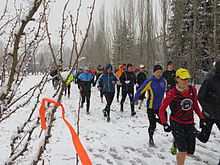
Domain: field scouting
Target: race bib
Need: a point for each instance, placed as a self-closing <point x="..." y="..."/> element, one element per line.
<point x="186" y="104"/>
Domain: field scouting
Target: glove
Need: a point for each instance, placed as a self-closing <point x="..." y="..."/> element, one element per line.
<point x="167" y="128"/>
<point x="127" y="81"/>
<point x="203" y="123"/>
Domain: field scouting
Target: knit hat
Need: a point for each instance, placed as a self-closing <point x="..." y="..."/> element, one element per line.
<point x="128" y="65"/>
<point x="108" y="66"/>
<point x="169" y="62"/>
<point x="157" y="67"/>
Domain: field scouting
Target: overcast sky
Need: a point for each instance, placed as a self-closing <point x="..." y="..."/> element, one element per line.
<point x="57" y="8"/>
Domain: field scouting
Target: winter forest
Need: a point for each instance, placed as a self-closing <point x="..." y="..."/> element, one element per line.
<point x="35" y="38"/>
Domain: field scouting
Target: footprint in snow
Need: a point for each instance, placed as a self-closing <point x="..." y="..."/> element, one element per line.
<point x="99" y="156"/>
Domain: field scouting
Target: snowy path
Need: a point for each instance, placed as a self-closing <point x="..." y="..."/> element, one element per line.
<point x="123" y="141"/>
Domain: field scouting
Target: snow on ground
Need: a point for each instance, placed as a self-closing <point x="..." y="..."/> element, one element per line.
<point x="123" y="141"/>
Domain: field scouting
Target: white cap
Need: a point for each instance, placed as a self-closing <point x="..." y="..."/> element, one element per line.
<point x="141" y="66"/>
<point x="213" y="64"/>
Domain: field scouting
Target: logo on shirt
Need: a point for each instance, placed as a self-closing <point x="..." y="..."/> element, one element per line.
<point x="162" y="84"/>
<point x="186" y="104"/>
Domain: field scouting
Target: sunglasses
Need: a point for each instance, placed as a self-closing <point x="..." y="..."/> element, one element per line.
<point x="185" y="79"/>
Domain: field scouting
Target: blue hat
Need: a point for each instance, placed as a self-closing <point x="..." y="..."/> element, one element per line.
<point x="108" y="66"/>
<point x="86" y="68"/>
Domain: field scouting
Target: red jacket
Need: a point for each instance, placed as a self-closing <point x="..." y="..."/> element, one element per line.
<point x="182" y="106"/>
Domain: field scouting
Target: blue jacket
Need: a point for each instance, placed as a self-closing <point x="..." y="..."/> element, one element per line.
<point x="156" y="88"/>
<point x="85" y="80"/>
<point x="105" y="82"/>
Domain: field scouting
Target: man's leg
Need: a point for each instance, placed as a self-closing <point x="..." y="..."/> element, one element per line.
<point x="204" y="135"/>
<point x="124" y="94"/>
<point x="131" y="97"/>
<point x="88" y="95"/>
<point x="118" y="92"/>
<point x="152" y="126"/>
<point x="83" y="98"/>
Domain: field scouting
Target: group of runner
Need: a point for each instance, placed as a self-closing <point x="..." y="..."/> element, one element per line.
<point x="180" y="96"/>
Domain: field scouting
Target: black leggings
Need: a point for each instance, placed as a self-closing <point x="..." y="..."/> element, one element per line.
<point x="68" y="90"/>
<point x="152" y="113"/>
<point x="109" y="96"/>
<point x="86" y="96"/>
<point x="118" y="91"/>
<point x="131" y="97"/>
<point x="142" y="96"/>
<point x="206" y="130"/>
<point x="184" y="136"/>
<point x="101" y="93"/>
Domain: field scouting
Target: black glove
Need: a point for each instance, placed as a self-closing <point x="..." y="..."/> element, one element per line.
<point x="203" y="123"/>
<point x="166" y="127"/>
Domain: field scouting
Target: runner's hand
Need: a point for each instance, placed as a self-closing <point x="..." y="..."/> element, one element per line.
<point x="166" y="127"/>
<point x="203" y="123"/>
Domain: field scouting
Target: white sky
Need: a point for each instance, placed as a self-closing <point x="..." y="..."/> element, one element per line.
<point x="57" y="8"/>
<point x="55" y="17"/>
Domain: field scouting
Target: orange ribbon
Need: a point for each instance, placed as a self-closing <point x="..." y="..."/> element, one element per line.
<point x="77" y="144"/>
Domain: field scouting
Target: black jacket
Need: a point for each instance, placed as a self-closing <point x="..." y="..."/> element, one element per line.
<point x="128" y="81"/>
<point x="97" y="77"/>
<point x="141" y="77"/>
<point x="54" y="74"/>
<point x="170" y="77"/>
<point x="209" y="97"/>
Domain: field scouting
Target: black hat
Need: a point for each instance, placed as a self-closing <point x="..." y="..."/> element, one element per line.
<point x="169" y="62"/>
<point x="128" y="65"/>
<point x="217" y="65"/>
<point x="157" y="67"/>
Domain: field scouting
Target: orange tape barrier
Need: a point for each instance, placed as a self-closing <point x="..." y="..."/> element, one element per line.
<point x="77" y="144"/>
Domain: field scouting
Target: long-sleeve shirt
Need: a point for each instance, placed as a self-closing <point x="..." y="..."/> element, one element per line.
<point x="156" y="88"/>
<point x="128" y="81"/>
<point x="182" y="106"/>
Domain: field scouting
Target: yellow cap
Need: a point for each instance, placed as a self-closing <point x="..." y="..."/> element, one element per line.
<point x="182" y="73"/>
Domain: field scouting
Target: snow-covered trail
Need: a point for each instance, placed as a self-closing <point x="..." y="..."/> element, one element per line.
<point x="123" y="141"/>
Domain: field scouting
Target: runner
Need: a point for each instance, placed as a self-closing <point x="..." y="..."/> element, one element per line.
<point x="169" y="75"/>
<point x="118" y="74"/>
<point x="156" y="86"/>
<point x="107" y="83"/>
<point x="209" y="99"/>
<point x="183" y="102"/>
<point x="101" y="71"/>
<point x="141" y="76"/>
<point x="85" y="80"/>
<point x="128" y="81"/>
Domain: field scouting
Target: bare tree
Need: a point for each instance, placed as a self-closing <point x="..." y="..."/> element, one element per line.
<point x="16" y="59"/>
<point x="25" y="41"/>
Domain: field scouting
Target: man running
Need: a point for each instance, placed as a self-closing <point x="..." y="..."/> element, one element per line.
<point x="128" y="81"/>
<point x="107" y="83"/>
<point x="85" y="80"/>
<point x="156" y="86"/>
